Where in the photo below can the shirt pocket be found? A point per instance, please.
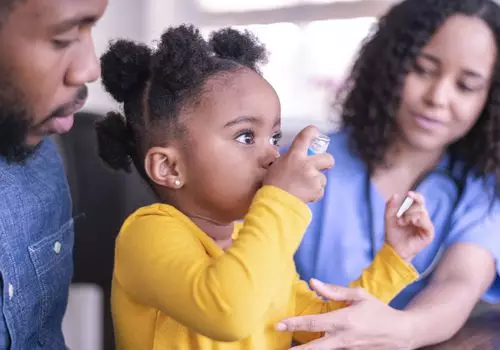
(52, 258)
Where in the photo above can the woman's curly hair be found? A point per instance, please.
(155, 85)
(371, 96)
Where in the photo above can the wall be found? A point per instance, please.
(123, 19)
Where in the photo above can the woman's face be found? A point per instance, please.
(445, 91)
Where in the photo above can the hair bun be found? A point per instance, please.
(182, 55)
(242, 47)
(125, 68)
(114, 141)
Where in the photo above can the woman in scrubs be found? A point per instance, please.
(421, 110)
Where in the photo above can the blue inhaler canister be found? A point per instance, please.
(319, 145)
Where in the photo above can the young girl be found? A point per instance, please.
(202, 127)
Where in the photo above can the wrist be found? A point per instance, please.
(407, 329)
(404, 254)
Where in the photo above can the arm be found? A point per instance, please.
(165, 267)
(386, 276)
(466, 271)
(463, 275)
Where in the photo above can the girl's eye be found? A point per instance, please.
(275, 140)
(247, 138)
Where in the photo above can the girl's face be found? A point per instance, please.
(446, 90)
(232, 138)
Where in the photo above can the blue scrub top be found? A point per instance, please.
(338, 243)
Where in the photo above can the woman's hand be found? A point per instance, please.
(412, 232)
(366, 323)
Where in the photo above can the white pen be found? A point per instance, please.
(407, 203)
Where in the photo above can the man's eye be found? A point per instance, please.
(62, 44)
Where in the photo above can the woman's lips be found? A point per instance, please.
(428, 123)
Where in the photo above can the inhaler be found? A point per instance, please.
(319, 145)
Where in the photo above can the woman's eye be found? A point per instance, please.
(464, 87)
(421, 70)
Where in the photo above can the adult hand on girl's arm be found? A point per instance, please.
(438, 312)
(366, 323)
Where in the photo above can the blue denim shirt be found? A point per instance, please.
(36, 245)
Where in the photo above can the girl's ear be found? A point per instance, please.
(162, 167)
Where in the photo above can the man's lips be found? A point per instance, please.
(77, 105)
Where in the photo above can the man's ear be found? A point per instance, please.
(162, 166)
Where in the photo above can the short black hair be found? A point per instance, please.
(156, 85)
(371, 96)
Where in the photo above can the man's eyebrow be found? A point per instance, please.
(70, 23)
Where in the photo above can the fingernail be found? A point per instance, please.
(281, 327)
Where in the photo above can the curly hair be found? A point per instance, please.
(155, 86)
(371, 95)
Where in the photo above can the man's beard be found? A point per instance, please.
(14, 126)
(17, 120)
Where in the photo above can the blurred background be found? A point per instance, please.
(311, 42)
(311, 45)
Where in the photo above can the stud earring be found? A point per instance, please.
(177, 182)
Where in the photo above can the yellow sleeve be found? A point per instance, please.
(385, 278)
(164, 266)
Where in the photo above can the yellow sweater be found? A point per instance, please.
(174, 288)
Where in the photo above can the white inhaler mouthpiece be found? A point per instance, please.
(319, 145)
(407, 203)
